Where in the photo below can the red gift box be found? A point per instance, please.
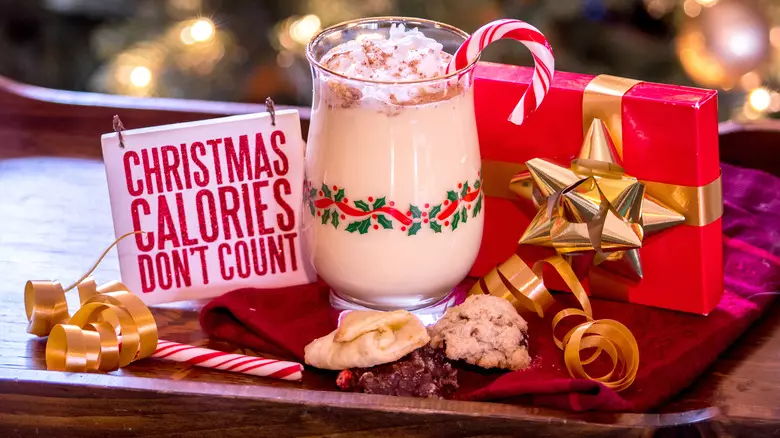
(669, 135)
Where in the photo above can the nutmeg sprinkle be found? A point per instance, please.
(408, 53)
(401, 56)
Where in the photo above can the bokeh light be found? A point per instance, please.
(140, 76)
(760, 99)
(303, 29)
(199, 31)
(692, 8)
(202, 30)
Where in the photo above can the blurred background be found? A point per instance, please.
(246, 50)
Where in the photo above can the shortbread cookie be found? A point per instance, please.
(366, 338)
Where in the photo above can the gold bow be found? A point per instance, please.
(111, 329)
(593, 206)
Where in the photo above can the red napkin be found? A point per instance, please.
(674, 347)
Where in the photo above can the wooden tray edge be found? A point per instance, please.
(39, 381)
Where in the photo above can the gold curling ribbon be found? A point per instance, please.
(524, 287)
(90, 340)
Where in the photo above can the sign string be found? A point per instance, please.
(118, 128)
(269, 104)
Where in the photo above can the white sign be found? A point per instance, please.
(219, 200)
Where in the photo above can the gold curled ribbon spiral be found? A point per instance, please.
(111, 329)
(523, 286)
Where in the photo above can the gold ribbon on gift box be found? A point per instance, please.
(111, 329)
(591, 207)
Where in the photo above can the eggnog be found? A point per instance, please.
(394, 203)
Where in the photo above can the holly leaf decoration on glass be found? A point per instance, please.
(364, 225)
(416, 213)
(326, 191)
(464, 215)
(334, 219)
(386, 223)
(465, 190)
(455, 220)
(359, 226)
(477, 206)
(362, 205)
(434, 211)
(435, 226)
(414, 229)
(353, 226)
(477, 184)
(311, 207)
(325, 217)
(312, 193)
(452, 195)
(339, 195)
(379, 203)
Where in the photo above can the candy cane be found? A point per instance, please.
(237, 363)
(544, 61)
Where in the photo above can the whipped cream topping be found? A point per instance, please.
(404, 55)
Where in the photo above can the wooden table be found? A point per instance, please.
(55, 219)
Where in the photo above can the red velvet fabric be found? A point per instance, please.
(674, 347)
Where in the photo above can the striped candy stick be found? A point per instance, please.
(237, 363)
(544, 61)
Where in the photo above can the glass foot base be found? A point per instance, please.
(428, 314)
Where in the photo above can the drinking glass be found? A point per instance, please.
(393, 212)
